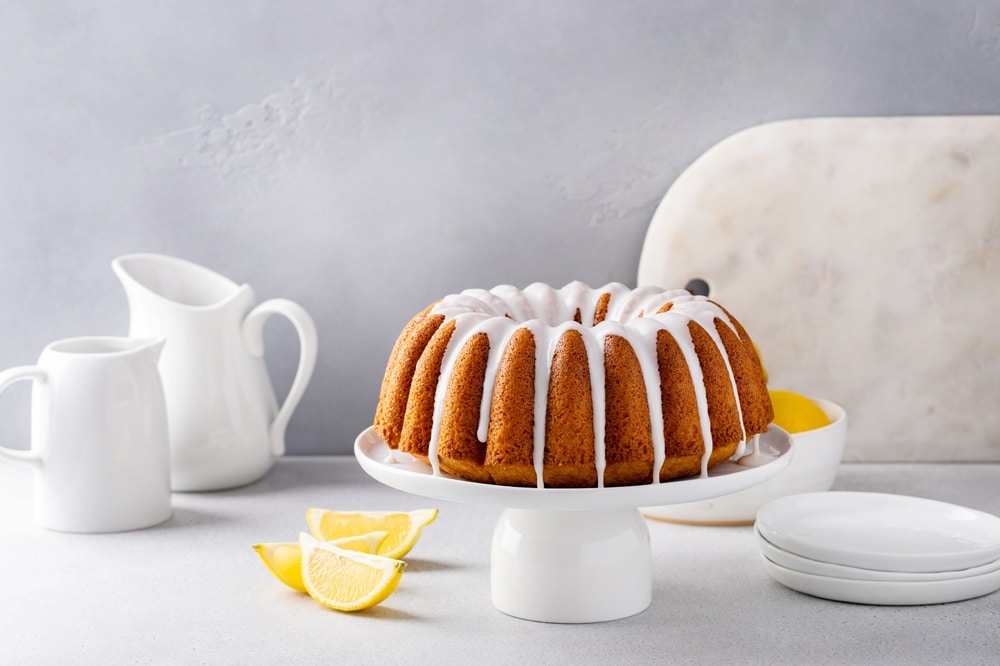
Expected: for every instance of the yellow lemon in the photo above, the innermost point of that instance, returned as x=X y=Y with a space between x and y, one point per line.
x=403 y=527
x=795 y=412
x=346 y=580
x=284 y=559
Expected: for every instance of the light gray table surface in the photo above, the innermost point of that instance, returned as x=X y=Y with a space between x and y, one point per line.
x=193 y=591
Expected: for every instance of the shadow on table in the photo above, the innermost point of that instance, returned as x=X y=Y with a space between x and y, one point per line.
x=184 y=518
x=416 y=564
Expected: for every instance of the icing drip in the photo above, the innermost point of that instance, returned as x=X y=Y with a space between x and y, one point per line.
x=543 y=365
x=499 y=330
x=464 y=330
x=548 y=314
x=595 y=361
x=677 y=325
x=706 y=319
x=646 y=329
x=756 y=457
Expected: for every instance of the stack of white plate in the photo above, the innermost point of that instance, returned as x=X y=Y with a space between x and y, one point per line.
x=874 y=548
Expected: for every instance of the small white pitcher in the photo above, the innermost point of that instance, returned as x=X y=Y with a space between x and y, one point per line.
x=225 y=425
x=98 y=435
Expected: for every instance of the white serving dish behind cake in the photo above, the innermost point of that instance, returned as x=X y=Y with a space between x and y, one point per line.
x=816 y=456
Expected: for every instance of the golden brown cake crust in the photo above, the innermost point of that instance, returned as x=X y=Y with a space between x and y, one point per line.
x=510 y=441
x=569 y=420
x=628 y=434
x=472 y=356
x=395 y=391
x=459 y=450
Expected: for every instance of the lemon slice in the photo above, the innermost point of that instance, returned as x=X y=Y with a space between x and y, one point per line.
x=795 y=412
x=403 y=528
x=284 y=559
x=347 y=580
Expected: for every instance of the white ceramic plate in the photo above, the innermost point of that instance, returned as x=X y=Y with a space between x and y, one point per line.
x=884 y=593
x=415 y=477
x=881 y=531
x=814 y=465
x=817 y=568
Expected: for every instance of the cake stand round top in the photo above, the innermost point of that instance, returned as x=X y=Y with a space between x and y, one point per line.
x=402 y=472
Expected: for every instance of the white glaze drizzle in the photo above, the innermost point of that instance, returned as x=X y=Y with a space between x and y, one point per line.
x=543 y=365
x=499 y=330
x=647 y=329
x=548 y=314
x=706 y=319
x=756 y=457
x=677 y=325
x=464 y=330
x=595 y=361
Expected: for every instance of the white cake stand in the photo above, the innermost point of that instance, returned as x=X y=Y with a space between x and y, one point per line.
x=569 y=554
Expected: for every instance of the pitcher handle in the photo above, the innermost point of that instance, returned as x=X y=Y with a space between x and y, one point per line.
x=8 y=377
x=253 y=338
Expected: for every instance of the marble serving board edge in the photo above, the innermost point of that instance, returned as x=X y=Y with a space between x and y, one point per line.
x=863 y=255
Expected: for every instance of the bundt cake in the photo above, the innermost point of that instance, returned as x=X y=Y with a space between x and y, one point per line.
x=574 y=387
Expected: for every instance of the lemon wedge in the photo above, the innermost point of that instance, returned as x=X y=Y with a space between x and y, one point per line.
x=347 y=580
x=403 y=527
x=284 y=559
x=796 y=413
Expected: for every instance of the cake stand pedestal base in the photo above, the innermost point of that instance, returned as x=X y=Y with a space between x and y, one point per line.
x=571 y=566
x=570 y=554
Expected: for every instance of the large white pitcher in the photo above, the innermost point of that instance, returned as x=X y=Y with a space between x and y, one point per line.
x=226 y=428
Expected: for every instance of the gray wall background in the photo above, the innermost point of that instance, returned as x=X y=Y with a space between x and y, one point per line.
x=364 y=158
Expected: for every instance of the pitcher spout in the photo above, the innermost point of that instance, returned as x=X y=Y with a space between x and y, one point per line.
x=157 y=278
x=155 y=347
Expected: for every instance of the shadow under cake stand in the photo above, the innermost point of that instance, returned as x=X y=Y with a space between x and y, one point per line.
x=569 y=555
